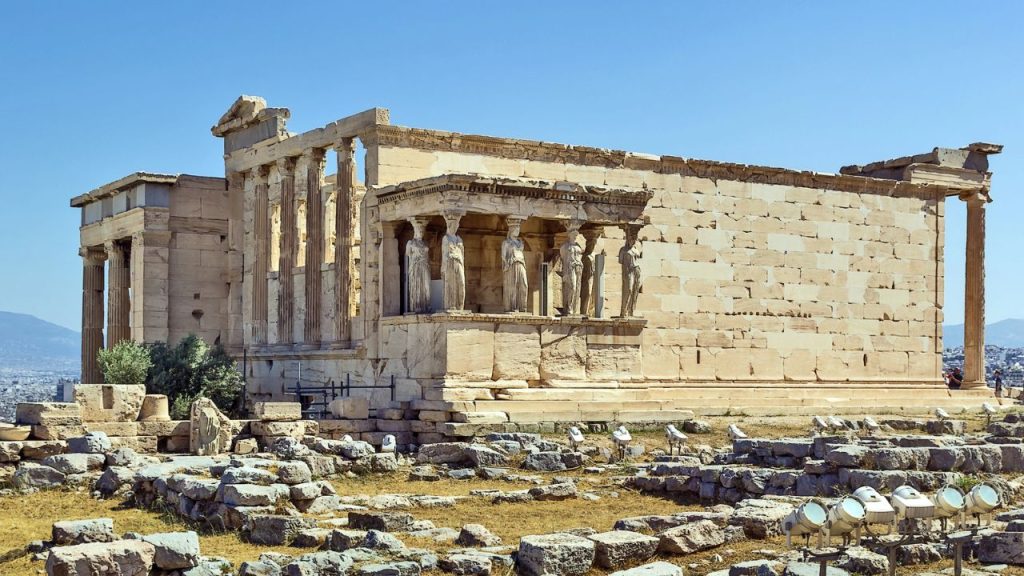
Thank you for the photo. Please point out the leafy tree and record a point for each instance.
(194, 369)
(125, 363)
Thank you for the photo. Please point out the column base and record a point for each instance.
(974, 385)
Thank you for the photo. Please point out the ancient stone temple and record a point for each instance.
(502, 280)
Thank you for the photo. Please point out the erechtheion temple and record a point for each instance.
(495, 280)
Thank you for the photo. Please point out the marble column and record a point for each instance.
(974, 293)
(261, 262)
(572, 270)
(314, 245)
(587, 291)
(453, 264)
(92, 313)
(286, 282)
(344, 239)
(119, 304)
(417, 269)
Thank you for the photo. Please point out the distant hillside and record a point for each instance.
(30, 344)
(1006, 333)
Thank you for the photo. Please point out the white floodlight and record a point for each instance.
(575, 438)
(988, 410)
(877, 510)
(836, 423)
(909, 503)
(807, 519)
(389, 444)
(346, 438)
(675, 438)
(735, 433)
(820, 425)
(941, 414)
(949, 502)
(622, 438)
(871, 425)
(844, 517)
(982, 499)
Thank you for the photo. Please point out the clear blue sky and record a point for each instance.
(93, 91)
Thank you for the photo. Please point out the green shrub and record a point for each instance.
(125, 363)
(194, 369)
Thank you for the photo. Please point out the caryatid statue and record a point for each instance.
(453, 265)
(572, 270)
(417, 255)
(513, 267)
(588, 281)
(629, 258)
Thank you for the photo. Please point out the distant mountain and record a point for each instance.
(30, 344)
(1006, 333)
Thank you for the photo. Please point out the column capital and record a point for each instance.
(286, 165)
(976, 197)
(113, 248)
(345, 146)
(94, 255)
(315, 154)
(573, 224)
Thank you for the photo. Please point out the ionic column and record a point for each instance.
(286, 289)
(314, 245)
(119, 303)
(974, 293)
(261, 218)
(344, 238)
(92, 313)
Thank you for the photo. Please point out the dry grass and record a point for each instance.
(25, 518)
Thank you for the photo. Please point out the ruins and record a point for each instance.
(458, 281)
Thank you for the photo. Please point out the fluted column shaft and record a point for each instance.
(314, 245)
(974, 293)
(92, 313)
(344, 266)
(261, 220)
(119, 304)
(286, 290)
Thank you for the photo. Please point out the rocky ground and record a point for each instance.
(502, 505)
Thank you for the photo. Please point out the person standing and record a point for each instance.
(998, 374)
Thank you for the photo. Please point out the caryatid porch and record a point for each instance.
(468, 260)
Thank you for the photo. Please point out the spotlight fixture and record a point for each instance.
(981, 500)
(735, 433)
(844, 517)
(877, 510)
(389, 444)
(807, 519)
(910, 504)
(941, 414)
(675, 438)
(871, 425)
(622, 438)
(575, 438)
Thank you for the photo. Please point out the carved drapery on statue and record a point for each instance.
(629, 258)
(453, 265)
(572, 270)
(513, 265)
(417, 255)
(588, 291)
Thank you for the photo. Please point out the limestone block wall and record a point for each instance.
(197, 265)
(750, 275)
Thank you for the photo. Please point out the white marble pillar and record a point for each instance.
(974, 293)
(119, 302)
(344, 239)
(314, 245)
(286, 281)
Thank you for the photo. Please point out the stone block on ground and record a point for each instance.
(1002, 548)
(48, 414)
(71, 532)
(91, 443)
(175, 550)
(691, 537)
(276, 530)
(283, 411)
(120, 558)
(382, 521)
(477, 535)
(555, 554)
(350, 408)
(652, 569)
(620, 548)
(31, 475)
(110, 402)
